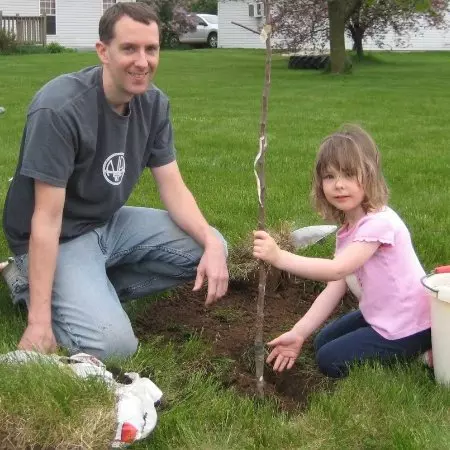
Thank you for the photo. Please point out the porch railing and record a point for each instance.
(27, 29)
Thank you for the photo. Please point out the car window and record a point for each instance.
(200, 21)
(212, 19)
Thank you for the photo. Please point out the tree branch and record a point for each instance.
(247, 28)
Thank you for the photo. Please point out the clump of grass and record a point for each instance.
(45, 406)
(400, 407)
(247, 358)
(242, 265)
(227, 315)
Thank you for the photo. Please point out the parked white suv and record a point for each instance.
(206, 33)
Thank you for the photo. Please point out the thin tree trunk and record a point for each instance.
(357, 33)
(356, 28)
(358, 42)
(259, 342)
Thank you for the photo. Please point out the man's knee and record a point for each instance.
(111, 343)
(329, 365)
(121, 346)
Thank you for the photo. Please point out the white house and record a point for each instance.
(234, 36)
(250, 14)
(427, 39)
(71, 23)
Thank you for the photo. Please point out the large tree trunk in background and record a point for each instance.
(337, 18)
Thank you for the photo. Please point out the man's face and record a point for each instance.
(132, 56)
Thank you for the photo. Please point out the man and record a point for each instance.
(88, 137)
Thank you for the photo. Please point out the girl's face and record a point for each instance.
(344, 192)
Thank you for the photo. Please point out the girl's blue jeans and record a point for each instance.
(140, 251)
(350, 339)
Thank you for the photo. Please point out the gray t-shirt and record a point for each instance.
(74, 139)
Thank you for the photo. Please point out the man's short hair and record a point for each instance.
(140, 12)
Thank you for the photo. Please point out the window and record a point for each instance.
(107, 4)
(48, 7)
(200, 21)
(196, 20)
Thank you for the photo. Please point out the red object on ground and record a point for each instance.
(442, 269)
(129, 432)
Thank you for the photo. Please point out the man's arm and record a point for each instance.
(43, 251)
(183, 210)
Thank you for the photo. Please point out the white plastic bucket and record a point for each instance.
(438, 287)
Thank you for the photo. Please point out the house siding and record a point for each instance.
(232, 36)
(21, 7)
(76, 21)
(426, 39)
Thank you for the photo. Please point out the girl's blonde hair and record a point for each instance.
(353, 152)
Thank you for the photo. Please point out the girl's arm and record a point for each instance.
(345, 263)
(321, 309)
(286, 348)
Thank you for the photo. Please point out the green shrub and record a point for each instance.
(31, 49)
(8, 43)
(54, 47)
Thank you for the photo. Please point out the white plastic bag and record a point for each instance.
(135, 402)
(136, 412)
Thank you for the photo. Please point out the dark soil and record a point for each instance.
(229, 327)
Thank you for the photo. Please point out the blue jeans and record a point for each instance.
(140, 251)
(350, 339)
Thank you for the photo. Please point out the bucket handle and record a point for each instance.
(440, 269)
(422, 280)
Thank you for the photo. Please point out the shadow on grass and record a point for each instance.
(369, 59)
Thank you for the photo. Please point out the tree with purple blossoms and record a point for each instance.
(308, 24)
(374, 18)
(174, 19)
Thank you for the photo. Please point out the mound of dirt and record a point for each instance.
(229, 327)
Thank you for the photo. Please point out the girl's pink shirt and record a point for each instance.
(393, 300)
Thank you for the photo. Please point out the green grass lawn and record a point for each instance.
(402, 99)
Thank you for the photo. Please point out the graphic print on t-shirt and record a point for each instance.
(114, 168)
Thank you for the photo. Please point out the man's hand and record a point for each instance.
(213, 267)
(286, 350)
(265, 248)
(39, 338)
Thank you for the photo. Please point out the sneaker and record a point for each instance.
(10, 273)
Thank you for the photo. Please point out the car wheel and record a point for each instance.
(212, 40)
(173, 41)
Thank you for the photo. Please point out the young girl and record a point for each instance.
(374, 257)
